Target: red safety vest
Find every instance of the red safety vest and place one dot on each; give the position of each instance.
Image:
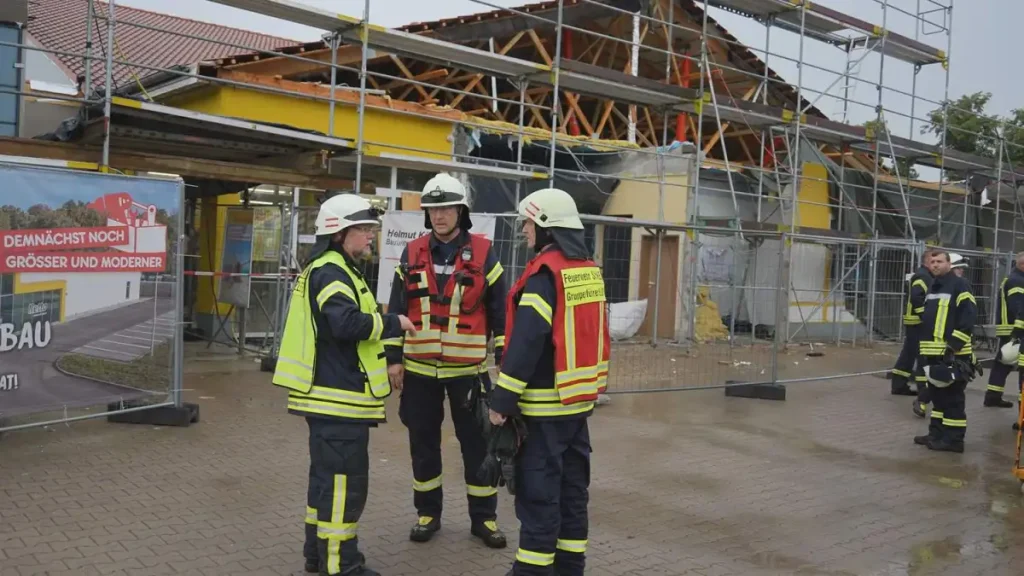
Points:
(579, 324)
(450, 326)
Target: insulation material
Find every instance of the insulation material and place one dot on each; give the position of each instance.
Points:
(625, 318)
(708, 318)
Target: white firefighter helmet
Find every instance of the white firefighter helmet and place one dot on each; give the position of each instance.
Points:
(343, 210)
(1009, 352)
(443, 190)
(551, 208)
(957, 261)
(939, 375)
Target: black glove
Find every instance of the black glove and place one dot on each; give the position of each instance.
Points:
(478, 404)
(498, 467)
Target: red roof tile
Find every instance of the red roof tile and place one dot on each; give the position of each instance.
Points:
(61, 24)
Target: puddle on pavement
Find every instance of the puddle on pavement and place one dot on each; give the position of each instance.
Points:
(926, 557)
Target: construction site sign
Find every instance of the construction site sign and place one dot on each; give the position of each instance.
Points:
(76, 249)
(397, 229)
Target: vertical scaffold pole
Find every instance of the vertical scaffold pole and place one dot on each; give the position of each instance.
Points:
(108, 93)
(556, 65)
(364, 37)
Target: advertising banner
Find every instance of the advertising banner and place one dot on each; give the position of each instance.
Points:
(266, 234)
(74, 249)
(397, 229)
(236, 260)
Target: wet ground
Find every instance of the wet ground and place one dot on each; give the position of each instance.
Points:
(826, 483)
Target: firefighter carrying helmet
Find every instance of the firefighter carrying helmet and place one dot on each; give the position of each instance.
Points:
(445, 190)
(551, 208)
(939, 375)
(1008, 353)
(343, 210)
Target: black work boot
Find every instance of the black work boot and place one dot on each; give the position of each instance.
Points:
(924, 440)
(489, 533)
(900, 387)
(995, 400)
(424, 529)
(312, 565)
(946, 444)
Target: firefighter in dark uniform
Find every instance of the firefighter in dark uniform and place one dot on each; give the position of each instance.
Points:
(1009, 328)
(907, 365)
(451, 285)
(331, 361)
(947, 324)
(554, 368)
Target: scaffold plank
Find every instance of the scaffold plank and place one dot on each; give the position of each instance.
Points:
(823, 130)
(824, 23)
(81, 157)
(427, 164)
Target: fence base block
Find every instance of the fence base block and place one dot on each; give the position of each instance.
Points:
(165, 416)
(268, 364)
(757, 391)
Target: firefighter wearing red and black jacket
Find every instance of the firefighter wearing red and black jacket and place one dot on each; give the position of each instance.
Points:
(555, 365)
(450, 284)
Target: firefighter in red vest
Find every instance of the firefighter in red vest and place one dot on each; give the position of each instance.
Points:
(450, 284)
(554, 367)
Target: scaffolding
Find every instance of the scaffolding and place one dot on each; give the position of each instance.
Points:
(661, 88)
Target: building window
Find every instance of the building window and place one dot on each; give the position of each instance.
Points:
(10, 36)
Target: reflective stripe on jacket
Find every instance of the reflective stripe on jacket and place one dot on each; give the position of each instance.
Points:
(332, 314)
(440, 352)
(917, 290)
(1010, 305)
(558, 342)
(948, 319)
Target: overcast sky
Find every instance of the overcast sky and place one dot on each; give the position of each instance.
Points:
(980, 58)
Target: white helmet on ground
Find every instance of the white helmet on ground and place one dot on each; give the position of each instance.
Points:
(551, 208)
(343, 210)
(445, 190)
(1009, 352)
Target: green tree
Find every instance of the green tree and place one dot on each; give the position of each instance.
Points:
(966, 127)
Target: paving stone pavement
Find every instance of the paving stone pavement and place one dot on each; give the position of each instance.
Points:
(826, 483)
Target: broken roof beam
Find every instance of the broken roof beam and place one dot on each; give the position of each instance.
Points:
(430, 49)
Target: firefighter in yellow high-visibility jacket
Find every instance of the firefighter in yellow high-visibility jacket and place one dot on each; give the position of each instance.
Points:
(332, 363)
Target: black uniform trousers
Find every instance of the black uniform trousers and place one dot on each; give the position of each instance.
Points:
(552, 494)
(421, 409)
(998, 373)
(339, 475)
(949, 412)
(908, 364)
